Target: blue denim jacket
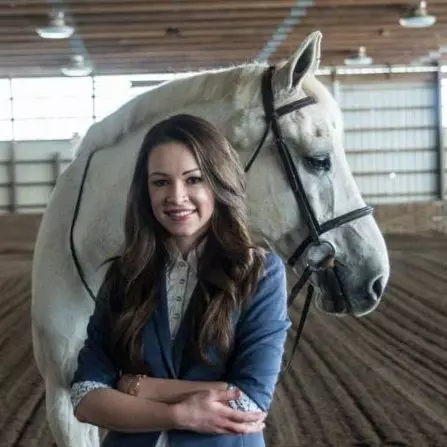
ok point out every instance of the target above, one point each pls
(260, 333)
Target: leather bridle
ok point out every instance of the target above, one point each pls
(326, 263)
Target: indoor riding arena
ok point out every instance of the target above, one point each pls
(378, 380)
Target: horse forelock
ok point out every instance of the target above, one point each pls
(315, 88)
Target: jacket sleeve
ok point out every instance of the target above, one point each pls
(95, 364)
(260, 337)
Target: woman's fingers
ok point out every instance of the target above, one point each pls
(241, 428)
(242, 416)
(247, 420)
(253, 428)
(209, 412)
(224, 395)
(238, 416)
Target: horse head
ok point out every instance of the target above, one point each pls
(302, 194)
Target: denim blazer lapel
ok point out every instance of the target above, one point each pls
(183, 336)
(163, 332)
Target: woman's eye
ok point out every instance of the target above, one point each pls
(321, 163)
(159, 183)
(194, 180)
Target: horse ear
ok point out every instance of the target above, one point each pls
(305, 60)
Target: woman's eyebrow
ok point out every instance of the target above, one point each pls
(163, 174)
(190, 170)
(158, 173)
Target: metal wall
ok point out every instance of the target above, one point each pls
(392, 137)
(28, 173)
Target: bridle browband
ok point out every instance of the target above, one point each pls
(326, 264)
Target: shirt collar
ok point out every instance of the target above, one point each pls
(192, 258)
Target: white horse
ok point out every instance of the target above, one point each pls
(231, 99)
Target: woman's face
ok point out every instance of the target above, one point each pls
(182, 201)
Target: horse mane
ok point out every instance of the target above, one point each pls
(211, 85)
(235, 83)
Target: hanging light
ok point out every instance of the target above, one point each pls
(418, 17)
(77, 67)
(360, 58)
(57, 28)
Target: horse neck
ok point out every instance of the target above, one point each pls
(218, 112)
(104, 134)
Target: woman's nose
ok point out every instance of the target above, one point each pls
(178, 193)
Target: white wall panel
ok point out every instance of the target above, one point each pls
(35, 172)
(384, 95)
(400, 184)
(4, 197)
(410, 198)
(4, 174)
(389, 118)
(36, 150)
(390, 128)
(396, 139)
(392, 161)
(32, 195)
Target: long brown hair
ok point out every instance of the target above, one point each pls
(228, 270)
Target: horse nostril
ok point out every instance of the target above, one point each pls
(377, 287)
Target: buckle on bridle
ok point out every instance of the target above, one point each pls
(320, 256)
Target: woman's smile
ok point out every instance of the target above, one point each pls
(180, 215)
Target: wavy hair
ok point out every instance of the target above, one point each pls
(228, 270)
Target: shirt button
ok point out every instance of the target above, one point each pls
(176, 316)
(182, 264)
(182, 281)
(179, 298)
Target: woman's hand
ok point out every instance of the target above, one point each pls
(208, 412)
(123, 383)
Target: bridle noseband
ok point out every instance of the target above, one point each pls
(327, 262)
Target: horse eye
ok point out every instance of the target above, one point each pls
(321, 163)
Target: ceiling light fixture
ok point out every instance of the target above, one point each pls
(57, 28)
(77, 67)
(360, 58)
(418, 17)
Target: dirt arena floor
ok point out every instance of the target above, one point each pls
(376, 381)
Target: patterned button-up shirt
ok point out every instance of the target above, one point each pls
(181, 280)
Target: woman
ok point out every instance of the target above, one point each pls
(186, 341)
